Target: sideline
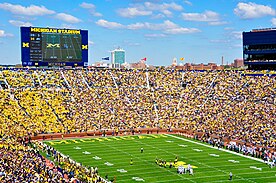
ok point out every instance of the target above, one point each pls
(225, 150)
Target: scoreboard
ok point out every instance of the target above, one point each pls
(54, 47)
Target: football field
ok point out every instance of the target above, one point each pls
(112, 156)
(61, 47)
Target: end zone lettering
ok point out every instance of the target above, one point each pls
(100, 139)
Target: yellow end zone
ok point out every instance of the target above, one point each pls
(101, 139)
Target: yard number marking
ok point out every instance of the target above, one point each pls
(108, 164)
(121, 170)
(96, 158)
(233, 161)
(138, 179)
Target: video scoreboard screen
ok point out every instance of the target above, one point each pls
(54, 47)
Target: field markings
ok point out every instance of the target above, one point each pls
(121, 170)
(260, 172)
(225, 157)
(181, 145)
(204, 163)
(169, 141)
(203, 171)
(183, 178)
(108, 164)
(262, 178)
(224, 150)
(198, 150)
(214, 155)
(138, 179)
(97, 158)
(256, 168)
(86, 152)
(198, 175)
(225, 180)
(193, 161)
(233, 161)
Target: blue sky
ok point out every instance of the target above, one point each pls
(201, 31)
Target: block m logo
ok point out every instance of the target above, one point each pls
(25, 45)
(50, 45)
(84, 47)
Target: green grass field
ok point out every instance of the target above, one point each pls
(61, 47)
(112, 156)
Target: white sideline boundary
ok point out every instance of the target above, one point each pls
(220, 149)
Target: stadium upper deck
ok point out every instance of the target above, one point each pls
(259, 49)
(221, 103)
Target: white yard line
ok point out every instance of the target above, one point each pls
(226, 180)
(183, 178)
(224, 150)
(211, 167)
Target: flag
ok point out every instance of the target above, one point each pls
(182, 58)
(105, 58)
(144, 59)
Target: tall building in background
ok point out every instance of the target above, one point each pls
(118, 57)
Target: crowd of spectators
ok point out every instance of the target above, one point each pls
(19, 162)
(224, 104)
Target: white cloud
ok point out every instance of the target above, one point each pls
(67, 18)
(218, 23)
(188, 2)
(236, 46)
(252, 10)
(109, 25)
(87, 5)
(155, 35)
(148, 8)
(181, 30)
(20, 23)
(31, 10)
(167, 27)
(96, 14)
(133, 12)
(138, 25)
(162, 26)
(163, 6)
(167, 13)
(158, 16)
(90, 42)
(129, 43)
(207, 16)
(236, 34)
(68, 26)
(228, 28)
(134, 44)
(219, 41)
(92, 8)
(273, 21)
(3, 34)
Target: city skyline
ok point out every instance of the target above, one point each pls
(199, 31)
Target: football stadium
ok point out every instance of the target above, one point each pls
(114, 125)
(65, 121)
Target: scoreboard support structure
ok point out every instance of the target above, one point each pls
(54, 47)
